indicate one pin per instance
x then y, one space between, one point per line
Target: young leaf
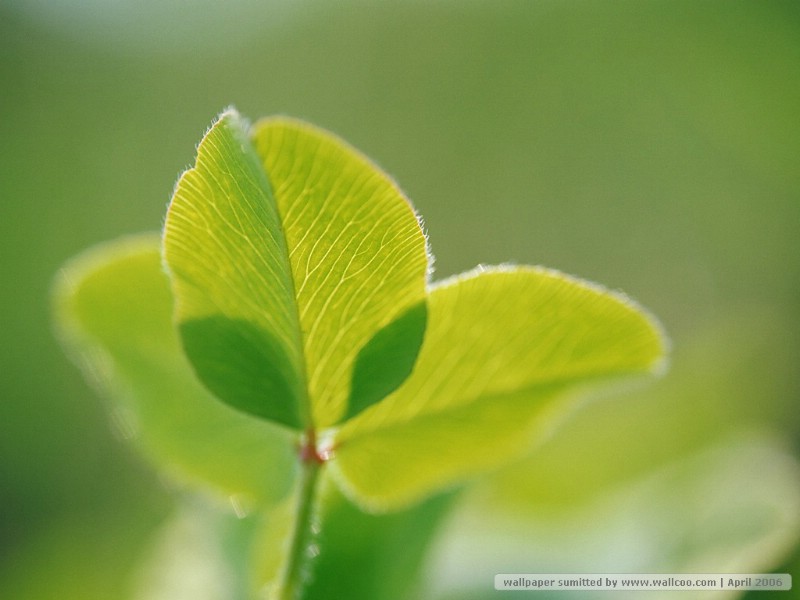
114 310
288 253
504 353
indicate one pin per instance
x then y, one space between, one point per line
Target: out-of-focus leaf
733 507
190 560
114 310
289 252
504 352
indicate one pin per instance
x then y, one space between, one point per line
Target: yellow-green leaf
506 352
289 252
114 311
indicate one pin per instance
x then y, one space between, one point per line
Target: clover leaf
283 327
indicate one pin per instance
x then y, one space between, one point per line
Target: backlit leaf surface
289 252
505 353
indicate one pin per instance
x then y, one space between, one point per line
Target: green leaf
507 351
732 506
114 311
387 359
289 252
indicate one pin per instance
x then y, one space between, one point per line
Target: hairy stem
302 549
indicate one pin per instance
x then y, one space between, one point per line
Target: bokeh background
652 146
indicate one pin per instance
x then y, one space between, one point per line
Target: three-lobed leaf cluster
291 284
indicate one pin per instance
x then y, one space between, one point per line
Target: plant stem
301 546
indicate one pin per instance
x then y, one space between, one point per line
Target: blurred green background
652 146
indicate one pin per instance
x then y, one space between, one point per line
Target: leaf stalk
302 547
